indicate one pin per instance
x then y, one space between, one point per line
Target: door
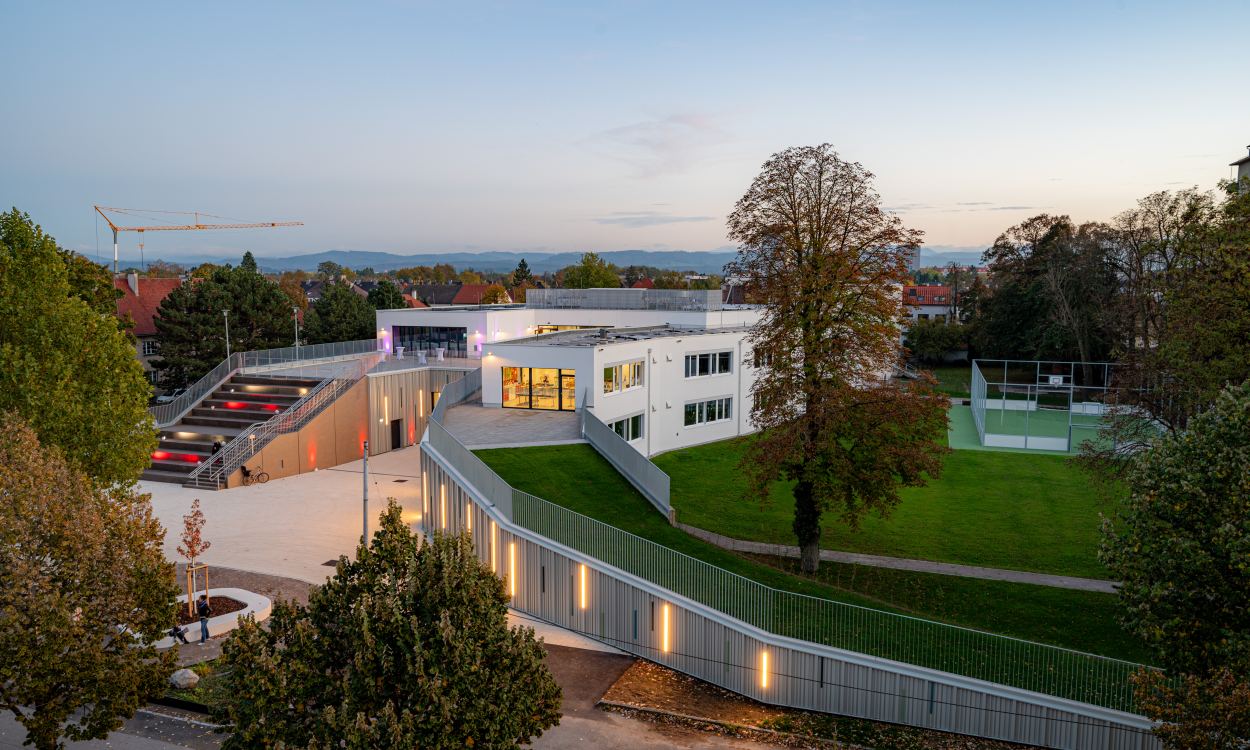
397 433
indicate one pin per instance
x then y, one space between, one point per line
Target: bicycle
256 477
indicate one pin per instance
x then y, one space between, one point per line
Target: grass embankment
576 477
990 508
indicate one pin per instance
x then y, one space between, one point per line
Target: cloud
974 203
640 219
958 207
660 147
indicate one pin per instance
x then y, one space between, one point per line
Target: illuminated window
539 388
623 377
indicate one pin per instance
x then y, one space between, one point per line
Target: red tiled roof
644 284
470 294
413 301
142 307
914 294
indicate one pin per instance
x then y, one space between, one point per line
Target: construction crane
177 227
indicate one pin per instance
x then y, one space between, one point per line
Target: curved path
900 563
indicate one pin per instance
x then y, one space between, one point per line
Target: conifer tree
407 646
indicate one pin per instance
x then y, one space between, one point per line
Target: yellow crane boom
196 225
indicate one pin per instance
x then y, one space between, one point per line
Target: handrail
646 477
214 472
1038 667
168 414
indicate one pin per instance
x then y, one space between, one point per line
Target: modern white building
665 368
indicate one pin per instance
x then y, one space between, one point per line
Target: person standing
204 611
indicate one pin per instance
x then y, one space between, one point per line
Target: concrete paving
291 527
477 426
901 563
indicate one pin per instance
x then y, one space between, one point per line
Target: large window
622 377
629 428
713 363
706 412
539 388
150 347
429 338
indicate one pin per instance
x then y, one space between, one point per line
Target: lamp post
226 314
364 474
295 316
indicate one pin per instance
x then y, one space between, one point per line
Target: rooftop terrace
608 336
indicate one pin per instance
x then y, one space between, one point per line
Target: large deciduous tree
408 646
816 247
1181 548
191 327
84 587
592 272
66 366
339 314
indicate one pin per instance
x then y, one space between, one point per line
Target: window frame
722 406
628 422
707 364
633 371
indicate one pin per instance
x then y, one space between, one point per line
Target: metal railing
646 477
700 300
1042 668
167 414
215 472
472 468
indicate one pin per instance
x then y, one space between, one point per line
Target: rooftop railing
696 300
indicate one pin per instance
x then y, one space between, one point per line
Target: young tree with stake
193 545
817 248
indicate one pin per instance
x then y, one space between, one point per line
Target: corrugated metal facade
407 396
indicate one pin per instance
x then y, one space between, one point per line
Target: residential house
140 302
928 301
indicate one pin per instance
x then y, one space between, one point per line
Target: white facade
484 325
636 373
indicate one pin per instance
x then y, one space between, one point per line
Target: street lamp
364 537
226 314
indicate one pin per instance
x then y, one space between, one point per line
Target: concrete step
250 397
274 380
259 410
215 419
160 475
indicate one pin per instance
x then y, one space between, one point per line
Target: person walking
204 611
179 634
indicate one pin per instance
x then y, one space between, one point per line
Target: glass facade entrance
429 338
539 388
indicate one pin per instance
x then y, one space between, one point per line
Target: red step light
235 405
190 458
270 407
160 455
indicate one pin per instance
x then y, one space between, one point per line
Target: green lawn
576 477
997 509
953 380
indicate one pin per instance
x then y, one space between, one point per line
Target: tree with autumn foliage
407 646
84 593
816 247
1181 549
495 294
193 545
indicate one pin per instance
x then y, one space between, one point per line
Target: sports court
1037 405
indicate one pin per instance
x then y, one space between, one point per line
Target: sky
415 127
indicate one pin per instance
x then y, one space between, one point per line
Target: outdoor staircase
233 407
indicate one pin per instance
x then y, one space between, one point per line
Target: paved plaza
477 426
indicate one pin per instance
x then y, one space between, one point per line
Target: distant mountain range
712 261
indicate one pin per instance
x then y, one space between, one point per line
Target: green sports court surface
962 431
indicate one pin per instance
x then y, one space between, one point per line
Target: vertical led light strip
468 516
581 587
493 534
442 506
512 569
425 498
664 640
420 403
764 670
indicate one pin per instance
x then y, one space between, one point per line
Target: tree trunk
807 526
